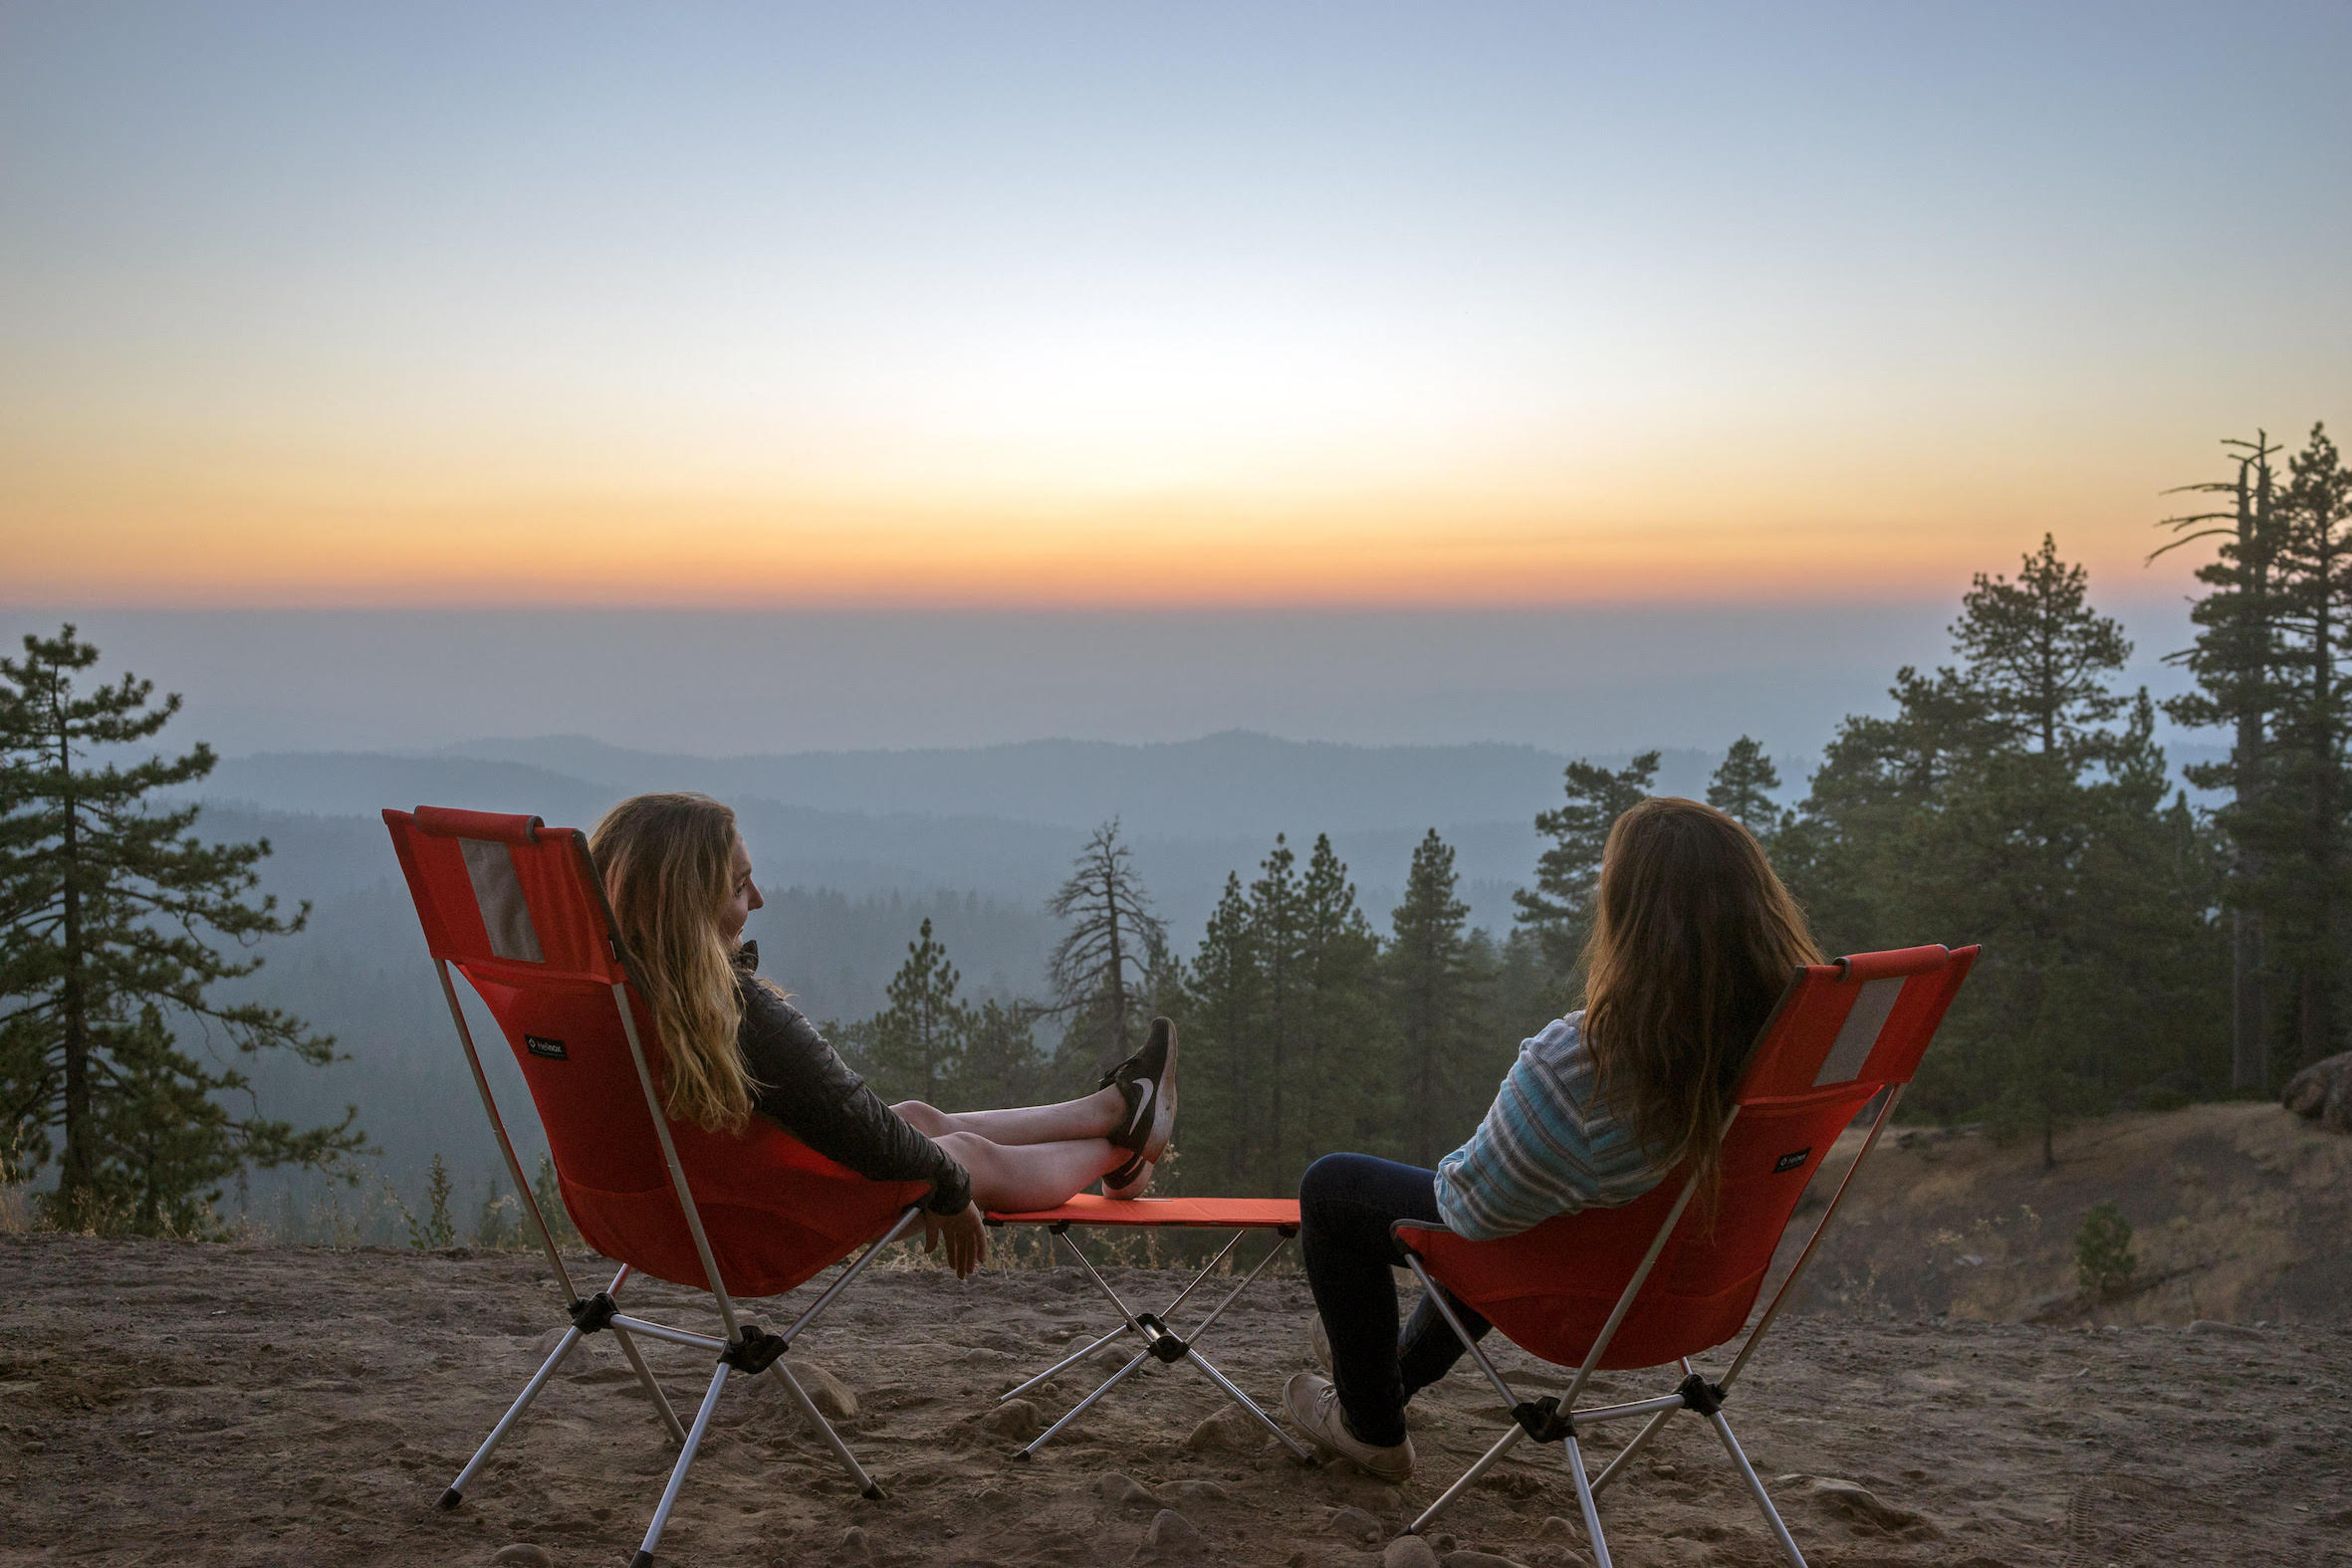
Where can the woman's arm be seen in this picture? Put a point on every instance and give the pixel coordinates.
(807, 1089)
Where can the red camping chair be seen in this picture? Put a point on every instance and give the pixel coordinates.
(520, 911)
(1162, 1342)
(1605, 1289)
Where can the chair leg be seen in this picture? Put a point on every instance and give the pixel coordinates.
(661, 1403)
(1626, 1454)
(1486, 1462)
(865, 1482)
(669, 1494)
(1297, 1450)
(1586, 1501)
(1755, 1489)
(456, 1491)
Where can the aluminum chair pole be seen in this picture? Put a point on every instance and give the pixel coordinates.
(833, 1439)
(669, 1153)
(840, 1284)
(1486, 1462)
(1297, 1450)
(1585, 1501)
(465, 1038)
(628, 1348)
(1755, 1489)
(669, 1494)
(1755, 1335)
(1625, 1456)
(546, 1370)
(1083, 1353)
(1641, 1277)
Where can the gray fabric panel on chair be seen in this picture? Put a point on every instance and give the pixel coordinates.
(506, 914)
(1860, 1032)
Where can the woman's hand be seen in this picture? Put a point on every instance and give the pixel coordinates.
(964, 1235)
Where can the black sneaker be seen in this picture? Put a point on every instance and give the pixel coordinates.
(1148, 1081)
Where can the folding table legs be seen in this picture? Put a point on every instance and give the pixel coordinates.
(1160, 1343)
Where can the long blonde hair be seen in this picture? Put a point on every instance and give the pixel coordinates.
(665, 860)
(1693, 939)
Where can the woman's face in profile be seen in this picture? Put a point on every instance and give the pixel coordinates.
(743, 895)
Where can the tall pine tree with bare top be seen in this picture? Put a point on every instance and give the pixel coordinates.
(1104, 968)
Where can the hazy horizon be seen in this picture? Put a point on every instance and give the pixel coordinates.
(731, 683)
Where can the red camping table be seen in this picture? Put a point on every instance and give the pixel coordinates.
(1162, 1342)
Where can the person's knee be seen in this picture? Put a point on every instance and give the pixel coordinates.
(928, 1120)
(1328, 1177)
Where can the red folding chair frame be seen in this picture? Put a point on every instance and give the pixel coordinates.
(746, 1348)
(1556, 1419)
(1162, 1342)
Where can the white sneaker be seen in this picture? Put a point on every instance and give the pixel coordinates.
(1313, 1405)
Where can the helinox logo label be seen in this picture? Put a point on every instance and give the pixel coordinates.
(541, 1045)
(1789, 1161)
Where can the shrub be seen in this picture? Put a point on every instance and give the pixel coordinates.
(2103, 1257)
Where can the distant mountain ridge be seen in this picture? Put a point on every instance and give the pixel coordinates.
(1232, 782)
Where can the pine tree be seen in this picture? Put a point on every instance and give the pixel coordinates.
(1743, 787)
(1556, 908)
(1344, 1031)
(1278, 933)
(1220, 999)
(546, 1193)
(2235, 660)
(436, 1232)
(916, 1043)
(1434, 979)
(2004, 803)
(1102, 969)
(1000, 1065)
(114, 919)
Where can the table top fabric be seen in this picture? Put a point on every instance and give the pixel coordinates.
(1222, 1213)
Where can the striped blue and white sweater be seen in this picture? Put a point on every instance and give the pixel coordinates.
(1546, 1147)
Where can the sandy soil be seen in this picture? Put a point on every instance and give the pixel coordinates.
(181, 1404)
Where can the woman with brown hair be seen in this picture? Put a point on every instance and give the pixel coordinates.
(1693, 941)
(679, 880)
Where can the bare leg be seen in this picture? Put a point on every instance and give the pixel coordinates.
(1094, 1117)
(1022, 1178)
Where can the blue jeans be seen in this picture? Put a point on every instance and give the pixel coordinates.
(1346, 1202)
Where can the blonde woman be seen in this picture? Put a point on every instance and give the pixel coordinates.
(679, 880)
(1693, 939)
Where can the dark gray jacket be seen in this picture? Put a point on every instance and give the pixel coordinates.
(804, 1087)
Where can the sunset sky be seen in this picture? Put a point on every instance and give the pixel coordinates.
(1094, 305)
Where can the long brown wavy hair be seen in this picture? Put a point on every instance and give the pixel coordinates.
(665, 860)
(1693, 941)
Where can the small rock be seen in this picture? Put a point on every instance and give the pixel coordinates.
(2323, 1092)
(856, 1548)
(1016, 1419)
(1171, 1534)
(2207, 1325)
(1228, 1429)
(545, 1346)
(1409, 1551)
(1555, 1528)
(1861, 1507)
(1354, 1524)
(1476, 1560)
(524, 1555)
(1125, 1491)
(1201, 1491)
(827, 1391)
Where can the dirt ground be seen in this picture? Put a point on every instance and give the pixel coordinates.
(167, 1403)
(2239, 1211)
